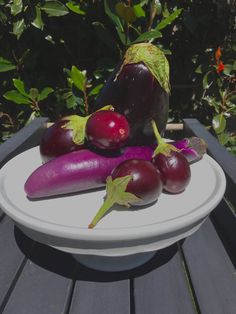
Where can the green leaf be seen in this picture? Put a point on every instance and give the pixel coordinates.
(168, 20)
(219, 123)
(18, 28)
(206, 83)
(75, 8)
(16, 97)
(20, 86)
(121, 35)
(3, 18)
(55, 8)
(155, 8)
(223, 138)
(212, 102)
(66, 95)
(34, 92)
(232, 107)
(153, 34)
(229, 68)
(6, 65)
(16, 7)
(232, 97)
(38, 22)
(115, 193)
(81, 104)
(44, 93)
(96, 90)
(115, 19)
(165, 11)
(125, 12)
(199, 69)
(78, 77)
(71, 102)
(139, 11)
(219, 82)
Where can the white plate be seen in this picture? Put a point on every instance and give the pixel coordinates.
(62, 222)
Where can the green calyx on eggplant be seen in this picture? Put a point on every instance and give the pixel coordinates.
(67, 134)
(139, 88)
(62, 137)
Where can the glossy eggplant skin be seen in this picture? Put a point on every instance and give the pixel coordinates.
(135, 92)
(78, 171)
(57, 141)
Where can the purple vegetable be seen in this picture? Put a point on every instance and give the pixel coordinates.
(192, 148)
(78, 171)
(133, 182)
(139, 89)
(175, 171)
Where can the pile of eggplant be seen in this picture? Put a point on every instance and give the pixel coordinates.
(119, 145)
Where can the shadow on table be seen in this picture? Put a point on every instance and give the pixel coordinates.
(65, 265)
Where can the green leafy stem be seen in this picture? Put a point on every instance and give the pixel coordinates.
(115, 194)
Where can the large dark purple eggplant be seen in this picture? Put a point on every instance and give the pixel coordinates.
(139, 89)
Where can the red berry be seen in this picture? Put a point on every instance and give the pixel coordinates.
(107, 129)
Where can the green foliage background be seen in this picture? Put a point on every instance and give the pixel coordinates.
(55, 56)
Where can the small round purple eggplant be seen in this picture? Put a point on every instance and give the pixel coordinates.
(173, 165)
(107, 129)
(61, 138)
(146, 181)
(133, 182)
(175, 171)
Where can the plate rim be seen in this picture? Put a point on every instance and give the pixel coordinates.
(113, 234)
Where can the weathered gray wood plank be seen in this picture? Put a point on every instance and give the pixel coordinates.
(212, 273)
(218, 152)
(11, 259)
(224, 220)
(95, 295)
(45, 284)
(25, 138)
(101, 297)
(164, 290)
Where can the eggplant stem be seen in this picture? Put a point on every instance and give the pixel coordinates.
(162, 147)
(156, 132)
(109, 202)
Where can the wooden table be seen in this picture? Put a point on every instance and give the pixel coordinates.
(196, 275)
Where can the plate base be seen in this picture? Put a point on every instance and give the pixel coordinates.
(114, 263)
